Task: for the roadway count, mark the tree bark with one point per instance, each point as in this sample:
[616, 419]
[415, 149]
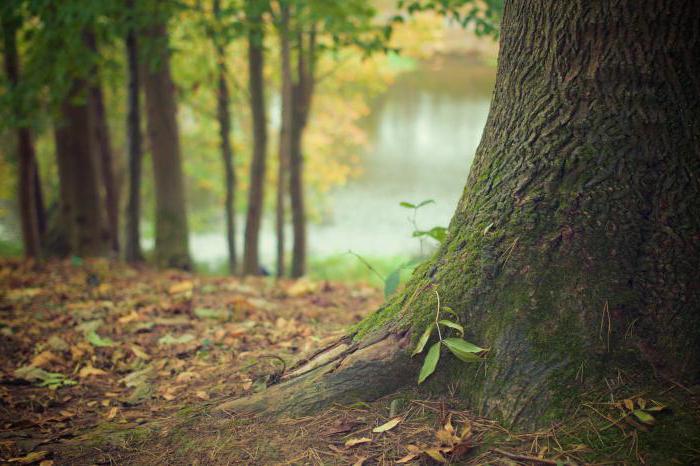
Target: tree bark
[80, 197]
[103, 146]
[171, 248]
[256, 192]
[30, 207]
[224, 117]
[132, 249]
[573, 252]
[285, 142]
[302, 95]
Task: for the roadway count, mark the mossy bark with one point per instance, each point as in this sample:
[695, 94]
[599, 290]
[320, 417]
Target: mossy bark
[574, 250]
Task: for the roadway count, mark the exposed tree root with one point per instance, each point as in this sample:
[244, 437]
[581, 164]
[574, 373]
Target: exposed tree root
[343, 372]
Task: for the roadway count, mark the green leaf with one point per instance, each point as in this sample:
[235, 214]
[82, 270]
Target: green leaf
[454, 325]
[97, 340]
[643, 416]
[424, 203]
[464, 350]
[430, 362]
[423, 340]
[449, 310]
[437, 233]
[214, 314]
[407, 205]
[392, 282]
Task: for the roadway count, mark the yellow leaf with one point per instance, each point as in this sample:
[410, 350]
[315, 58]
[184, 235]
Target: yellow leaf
[46, 463]
[357, 441]
[181, 287]
[407, 458]
[140, 353]
[88, 370]
[32, 457]
[387, 425]
[202, 395]
[435, 454]
[301, 288]
[112, 413]
[130, 317]
[629, 404]
[186, 376]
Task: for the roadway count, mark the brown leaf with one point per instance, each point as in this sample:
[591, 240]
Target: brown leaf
[130, 317]
[88, 370]
[181, 287]
[44, 359]
[357, 441]
[112, 413]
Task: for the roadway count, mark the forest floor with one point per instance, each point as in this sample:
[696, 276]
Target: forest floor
[108, 364]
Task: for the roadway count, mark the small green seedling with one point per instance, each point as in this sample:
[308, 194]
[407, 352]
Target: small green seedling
[462, 349]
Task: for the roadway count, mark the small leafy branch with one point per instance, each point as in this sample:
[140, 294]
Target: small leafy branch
[462, 349]
[437, 233]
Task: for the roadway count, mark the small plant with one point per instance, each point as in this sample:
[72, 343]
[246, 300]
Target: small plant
[437, 233]
[462, 349]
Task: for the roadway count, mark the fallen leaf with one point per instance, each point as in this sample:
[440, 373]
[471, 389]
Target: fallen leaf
[202, 395]
[130, 317]
[171, 340]
[387, 425]
[140, 352]
[407, 458]
[46, 463]
[43, 358]
[360, 461]
[181, 287]
[186, 376]
[357, 441]
[97, 340]
[32, 457]
[435, 454]
[88, 370]
[112, 413]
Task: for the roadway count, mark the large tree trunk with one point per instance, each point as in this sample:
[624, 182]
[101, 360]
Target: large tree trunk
[285, 142]
[574, 250]
[132, 249]
[80, 196]
[224, 117]
[30, 208]
[301, 98]
[172, 248]
[256, 192]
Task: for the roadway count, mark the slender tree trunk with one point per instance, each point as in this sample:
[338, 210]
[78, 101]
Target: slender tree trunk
[132, 249]
[302, 96]
[172, 249]
[104, 150]
[80, 196]
[224, 117]
[573, 253]
[39, 204]
[28, 172]
[285, 142]
[256, 193]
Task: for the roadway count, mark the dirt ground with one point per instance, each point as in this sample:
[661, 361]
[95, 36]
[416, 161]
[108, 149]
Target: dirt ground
[103, 363]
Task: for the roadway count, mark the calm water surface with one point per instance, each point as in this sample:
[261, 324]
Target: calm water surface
[423, 134]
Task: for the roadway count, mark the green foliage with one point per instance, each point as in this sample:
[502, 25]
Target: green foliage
[437, 233]
[485, 15]
[459, 347]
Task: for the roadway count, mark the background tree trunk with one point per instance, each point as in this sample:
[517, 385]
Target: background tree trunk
[302, 94]
[171, 247]
[80, 197]
[30, 206]
[132, 249]
[103, 147]
[256, 193]
[285, 142]
[573, 253]
[224, 117]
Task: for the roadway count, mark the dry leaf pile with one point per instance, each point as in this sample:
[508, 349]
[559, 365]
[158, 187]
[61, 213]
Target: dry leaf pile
[93, 342]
